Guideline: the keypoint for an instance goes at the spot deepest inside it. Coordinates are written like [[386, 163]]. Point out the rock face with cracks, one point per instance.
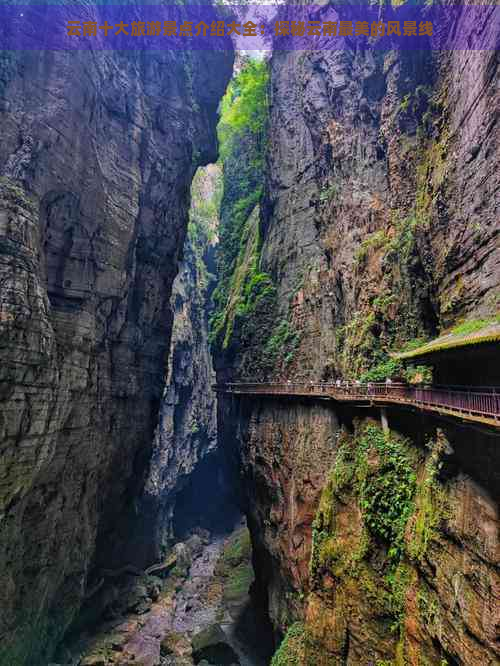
[[187, 429], [379, 220], [379, 225], [97, 152]]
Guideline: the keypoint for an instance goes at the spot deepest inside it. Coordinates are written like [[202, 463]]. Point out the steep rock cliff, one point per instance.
[[370, 547], [186, 485], [379, 220], [244, 294], [379, 227], [97, 152]]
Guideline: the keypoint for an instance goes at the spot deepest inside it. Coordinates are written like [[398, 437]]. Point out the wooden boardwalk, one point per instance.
[[480, 404]]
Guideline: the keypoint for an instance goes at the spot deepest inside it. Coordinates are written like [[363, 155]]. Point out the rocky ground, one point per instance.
[[199, 613]]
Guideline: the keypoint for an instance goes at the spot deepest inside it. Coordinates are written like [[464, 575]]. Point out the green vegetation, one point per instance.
[[387, 368], [428, 606], [234, 566], [238, 582], [246, 309], [431, 503], [237, 550], [416, 102], [414, 344], [284, 340], [244, 289], [399, 517], [386, 496], [390, 367], [235, 211], [399, 245], [383, 302], [398, 580], [372, 242], [474, 325], [194, 428], [204, 213], [292, 648], [384, 491], [244, 109], [206, 192], [328, 193], [247, 286], [15, 193], [399, 304], [418, 374], [457, 337], [365, 344], [405, 103], [356, 343], [433, 167], [402, 244]]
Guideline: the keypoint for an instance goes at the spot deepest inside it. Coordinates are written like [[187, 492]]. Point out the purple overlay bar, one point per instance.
[[249, 27]]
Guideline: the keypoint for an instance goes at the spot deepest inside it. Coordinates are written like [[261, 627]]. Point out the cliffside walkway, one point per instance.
[[481, 404]]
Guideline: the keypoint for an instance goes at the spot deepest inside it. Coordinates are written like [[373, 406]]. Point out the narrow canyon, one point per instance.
[[249, 344]]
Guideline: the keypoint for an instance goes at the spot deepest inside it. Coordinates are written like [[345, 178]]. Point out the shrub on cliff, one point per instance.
[[243, 289], [244, 108]]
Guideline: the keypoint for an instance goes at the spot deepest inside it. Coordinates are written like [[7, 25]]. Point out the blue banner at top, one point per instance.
[[249, 27]]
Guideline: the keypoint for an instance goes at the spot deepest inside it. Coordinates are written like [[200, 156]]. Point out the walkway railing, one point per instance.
[[476, 404]]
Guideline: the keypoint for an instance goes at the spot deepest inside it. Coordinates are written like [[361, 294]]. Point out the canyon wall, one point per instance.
[[378, 228], [187, 486], [370, 547], [97, 153], [381, 215], [379, 222]]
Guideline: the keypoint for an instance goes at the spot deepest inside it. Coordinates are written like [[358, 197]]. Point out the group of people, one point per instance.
[[345, 384]]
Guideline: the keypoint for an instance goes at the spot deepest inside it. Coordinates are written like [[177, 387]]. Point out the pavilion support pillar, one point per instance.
[[384, 420]]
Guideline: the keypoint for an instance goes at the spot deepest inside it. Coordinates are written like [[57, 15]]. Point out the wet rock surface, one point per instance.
[[376, 229], [185, 463], [350, 602], [379, 225], [97, 152], [210, 646], [200, 614]]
